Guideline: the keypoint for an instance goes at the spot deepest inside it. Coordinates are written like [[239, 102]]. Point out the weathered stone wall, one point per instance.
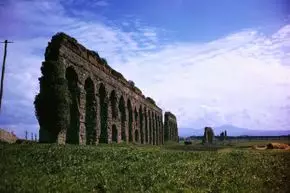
[[104, 106], [208, 136], [170, 127]]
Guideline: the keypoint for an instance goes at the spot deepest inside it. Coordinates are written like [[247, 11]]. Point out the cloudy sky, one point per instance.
[[209, 62]]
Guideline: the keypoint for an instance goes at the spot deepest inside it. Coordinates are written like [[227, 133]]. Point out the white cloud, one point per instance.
[[240, 73], [100, 3], [242, 78]]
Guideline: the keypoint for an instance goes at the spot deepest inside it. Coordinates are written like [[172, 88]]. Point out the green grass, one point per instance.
[[122, 168]]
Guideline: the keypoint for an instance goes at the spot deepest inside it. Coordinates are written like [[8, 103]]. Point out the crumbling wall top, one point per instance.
[[149, 99], [96, 60], [169, 114]]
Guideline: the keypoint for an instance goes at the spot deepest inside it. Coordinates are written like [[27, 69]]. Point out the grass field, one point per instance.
[[122, 168]]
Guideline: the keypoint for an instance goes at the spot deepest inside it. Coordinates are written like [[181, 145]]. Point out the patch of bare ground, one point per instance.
[[276, 146]]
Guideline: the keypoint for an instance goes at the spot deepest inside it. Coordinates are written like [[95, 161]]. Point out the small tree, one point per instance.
[[31, 136], [26, 134], [226, 135], [35, 137]]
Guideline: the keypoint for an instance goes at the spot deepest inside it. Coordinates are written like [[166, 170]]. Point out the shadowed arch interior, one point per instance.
[[130, 120], [136, 136], [158, 128], [150, 127], [123, 118], [113, 101], [154, 128], [136, 123], [161, 129], [141, 124], [90, 115], [72, 134], [114, 134], [104, 114], [146, 125]]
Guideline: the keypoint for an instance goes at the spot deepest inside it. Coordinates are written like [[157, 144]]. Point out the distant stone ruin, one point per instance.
[[208, 135], [82, 100], [170, 127], [8, 137]]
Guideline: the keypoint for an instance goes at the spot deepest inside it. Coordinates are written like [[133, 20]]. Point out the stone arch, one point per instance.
[[72, 133], [130, 123], [162, 130], [113, 103], [114, 134], [170, 130], [136, 120], [122, 110], [157, 129], [90, 112], [141, 119], [154, 128], [103, 113], [71, 73], [150, 126], [176, 132], [146, 125]]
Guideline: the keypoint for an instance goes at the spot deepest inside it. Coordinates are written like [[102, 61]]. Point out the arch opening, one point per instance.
[[130, 120], [113, 101], [141, 124], [123, 118], [154, 128], [90, 112], [114, 134], [104, 114], [150, 127], [72, 134], [146, 125], [136, 122], [136, 136], [161, 130], [157, 130]]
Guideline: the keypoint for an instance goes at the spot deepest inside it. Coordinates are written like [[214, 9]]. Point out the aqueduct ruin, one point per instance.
[[82, 100], [170, 127]]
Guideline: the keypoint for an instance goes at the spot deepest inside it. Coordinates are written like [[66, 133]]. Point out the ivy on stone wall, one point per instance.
[[104, 61], [52, 103]]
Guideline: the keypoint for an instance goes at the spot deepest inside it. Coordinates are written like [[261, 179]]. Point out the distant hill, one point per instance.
[[233, 131]]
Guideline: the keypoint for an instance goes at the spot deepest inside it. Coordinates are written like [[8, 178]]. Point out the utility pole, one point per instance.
[[3, 70]]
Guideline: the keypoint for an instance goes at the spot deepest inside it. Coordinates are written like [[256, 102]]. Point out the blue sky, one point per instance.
[[209, 62], [196, 20]]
